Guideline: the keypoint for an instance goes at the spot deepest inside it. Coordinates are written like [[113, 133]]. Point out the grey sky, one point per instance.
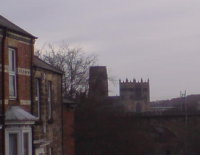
[[155, 39]]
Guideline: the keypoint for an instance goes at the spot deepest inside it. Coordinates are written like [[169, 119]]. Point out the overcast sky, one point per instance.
[[155, 39]]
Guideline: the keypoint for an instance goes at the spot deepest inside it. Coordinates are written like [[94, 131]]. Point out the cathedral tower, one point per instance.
[[98, 82], [135, 95]]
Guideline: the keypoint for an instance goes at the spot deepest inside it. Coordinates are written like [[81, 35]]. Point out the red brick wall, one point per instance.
[[68, 132], [23, 60]]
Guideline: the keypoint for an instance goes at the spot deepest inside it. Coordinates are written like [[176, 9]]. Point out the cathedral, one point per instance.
[[134, 95]]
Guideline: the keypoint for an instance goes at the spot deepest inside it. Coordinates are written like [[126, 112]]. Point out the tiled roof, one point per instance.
[[37, 62], [12, 27], [15, 113]]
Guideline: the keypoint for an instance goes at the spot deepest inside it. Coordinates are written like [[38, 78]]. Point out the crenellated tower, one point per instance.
[[135, 95]]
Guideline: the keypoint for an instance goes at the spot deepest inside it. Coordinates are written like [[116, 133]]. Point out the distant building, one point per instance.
[[134, 96], [98, 82]]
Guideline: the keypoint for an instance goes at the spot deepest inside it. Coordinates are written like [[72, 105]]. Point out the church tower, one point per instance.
[[98, 82], [134, 95]]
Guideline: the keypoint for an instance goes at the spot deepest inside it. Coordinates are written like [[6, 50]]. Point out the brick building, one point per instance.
[[31, 106], [68, 126], [16, 54], [47, 107]]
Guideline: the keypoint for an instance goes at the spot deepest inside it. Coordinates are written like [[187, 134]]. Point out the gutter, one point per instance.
[[26, 34]]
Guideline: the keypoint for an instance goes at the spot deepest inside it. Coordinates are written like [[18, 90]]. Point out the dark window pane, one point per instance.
[[37, 98], [49, 100], [26, 144], [13, 144], [12, 85]]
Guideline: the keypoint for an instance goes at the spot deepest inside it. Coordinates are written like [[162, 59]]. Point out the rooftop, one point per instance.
[[37, 62], [5, 23], [15, 113]]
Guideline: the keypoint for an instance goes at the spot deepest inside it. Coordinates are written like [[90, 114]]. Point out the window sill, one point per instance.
[[12, 98]]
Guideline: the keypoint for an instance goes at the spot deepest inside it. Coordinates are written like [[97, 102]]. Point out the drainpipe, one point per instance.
[[31, 87], [3, 90]]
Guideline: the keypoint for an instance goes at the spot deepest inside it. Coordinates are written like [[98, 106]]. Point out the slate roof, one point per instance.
[[70, 103], [15, 113], [65, 100], [5, 23], [37, 62]]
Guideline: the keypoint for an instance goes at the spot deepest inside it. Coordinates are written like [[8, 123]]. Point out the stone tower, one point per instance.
[[135, 95], [98, 82]]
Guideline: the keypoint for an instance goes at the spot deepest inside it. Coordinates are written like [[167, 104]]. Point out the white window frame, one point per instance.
[[50, 150], [29, 140], [37, 97], [12, 72], [18, 142], [20, 132], [49, 99]]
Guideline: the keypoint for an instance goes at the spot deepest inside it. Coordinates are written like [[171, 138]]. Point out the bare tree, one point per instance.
[[75, 65]]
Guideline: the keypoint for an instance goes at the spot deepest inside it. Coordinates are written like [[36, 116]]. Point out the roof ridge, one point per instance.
[[4, 22]]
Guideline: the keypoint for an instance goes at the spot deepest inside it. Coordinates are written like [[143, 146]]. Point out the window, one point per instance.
[[50, 150], [18, 141], [12, 73], [37, 98], [49, 100], [26, 143], [13, 144]]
